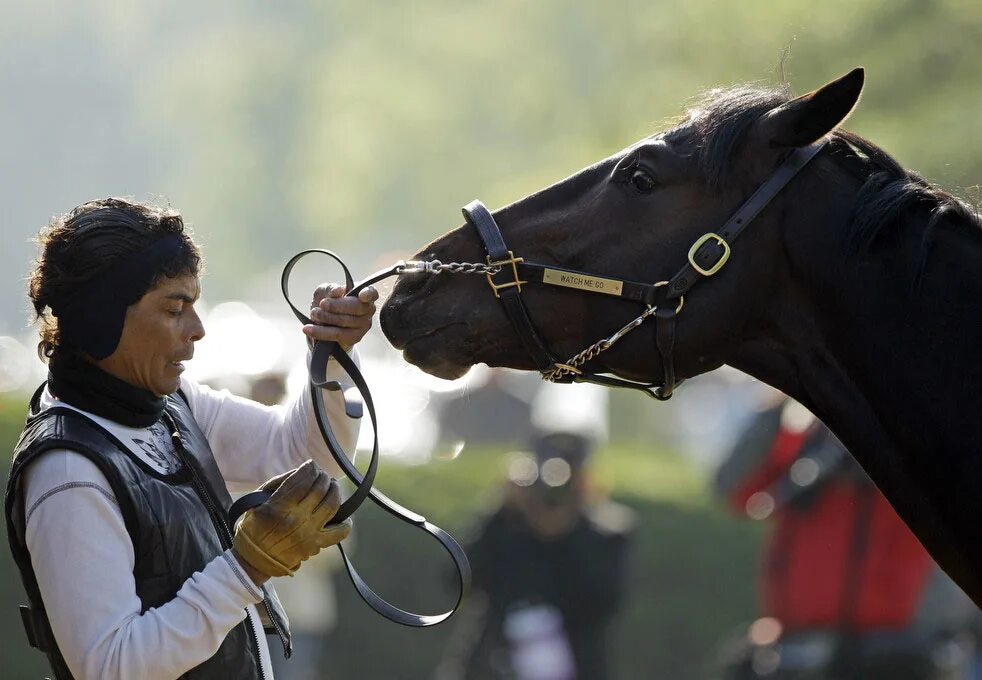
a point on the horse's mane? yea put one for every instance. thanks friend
(722, 118)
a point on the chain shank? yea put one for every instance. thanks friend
(437, 267)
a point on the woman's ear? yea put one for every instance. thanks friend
(803, 120)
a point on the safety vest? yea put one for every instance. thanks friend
(175, 521)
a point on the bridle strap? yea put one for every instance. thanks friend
(364, 489)
(665, 318)
(480, 218)
(709, 253)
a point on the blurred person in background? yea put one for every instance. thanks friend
(846, 590)
(119, 487)
(464, 417)
(549, 570)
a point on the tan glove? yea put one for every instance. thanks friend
(277, 536)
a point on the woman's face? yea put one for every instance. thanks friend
(158, 336)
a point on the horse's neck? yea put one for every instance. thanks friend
(858, 344)
(896, 375)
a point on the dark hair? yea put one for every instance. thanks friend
(725, 116)
(79, 246)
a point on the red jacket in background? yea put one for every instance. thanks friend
(839, 556)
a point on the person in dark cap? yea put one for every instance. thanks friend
(119, 486)
(550, 568)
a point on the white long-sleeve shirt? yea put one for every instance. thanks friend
(83, 557)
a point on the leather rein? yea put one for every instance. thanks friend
(506, 274)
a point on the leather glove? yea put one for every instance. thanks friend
(277, 536)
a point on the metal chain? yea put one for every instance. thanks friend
(571, 367)
(437, 267)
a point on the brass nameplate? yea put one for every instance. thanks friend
(582, 282)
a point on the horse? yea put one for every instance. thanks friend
(855, 290)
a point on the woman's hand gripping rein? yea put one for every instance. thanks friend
(274, 538)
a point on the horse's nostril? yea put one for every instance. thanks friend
(388, 319)
(392, 316)
(389, 310)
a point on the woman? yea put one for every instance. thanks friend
(120, 482)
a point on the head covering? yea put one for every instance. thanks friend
(91, 318)
(572, 447)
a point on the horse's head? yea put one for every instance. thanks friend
(631, 216)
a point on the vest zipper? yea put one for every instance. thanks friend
(226, 539)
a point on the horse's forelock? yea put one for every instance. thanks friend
(721, 118)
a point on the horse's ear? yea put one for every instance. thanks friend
(803, 120)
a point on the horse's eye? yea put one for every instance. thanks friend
(642, 181)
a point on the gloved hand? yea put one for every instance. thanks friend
(274, 538)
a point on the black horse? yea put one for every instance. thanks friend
(857, 291)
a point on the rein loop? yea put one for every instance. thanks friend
(322, 352)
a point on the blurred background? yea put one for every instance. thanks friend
(362, 127)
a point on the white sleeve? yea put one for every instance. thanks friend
(83, 560)
(253, 442)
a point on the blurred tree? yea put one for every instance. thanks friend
(306, 123)
(363, 126)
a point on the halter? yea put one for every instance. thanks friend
(664, 300)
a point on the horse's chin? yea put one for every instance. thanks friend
(432, 358)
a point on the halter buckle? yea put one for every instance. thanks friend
(517, 282)
(719, 263)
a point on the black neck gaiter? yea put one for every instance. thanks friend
(86, 386)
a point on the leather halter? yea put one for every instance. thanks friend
(663, 300)
(322, 352)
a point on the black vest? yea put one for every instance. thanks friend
(176, 522)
